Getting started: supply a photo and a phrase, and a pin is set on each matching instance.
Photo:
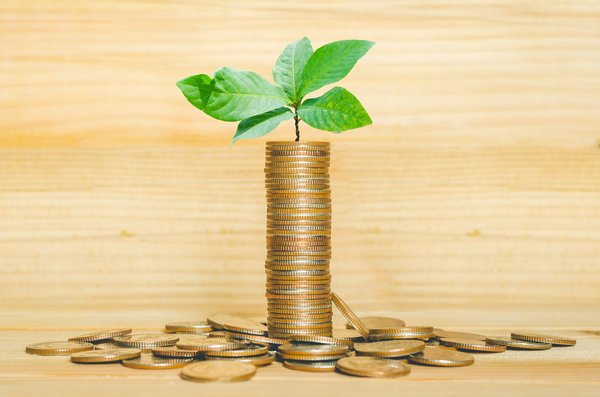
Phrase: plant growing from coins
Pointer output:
(260, 106)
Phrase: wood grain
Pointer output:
(478, 186)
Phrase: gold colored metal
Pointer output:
(101, 335)
(389, 348)
(518, 344)
(105, 356)
(60, 348)
(148, 361)
(442, 357)
(375, 367)
(350, 316)
(218, 370)
(146, 341)
(472, 345)
(554, 340)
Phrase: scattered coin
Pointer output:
(442, 357)
(148, 361)
(105, 356)
(101, 335)
(389, 348)
(60, 348)
(472, 345)
(313, 349)
(440, 333)
(347, 334)
(518, 344)
(191, 327)
(350, 316)
(541, 338)
(255, 338)
(106, 345)
(311, 366)
(375, 322)
(146, 341)
(372, 367)
(257, 361)
(245, 326)
(209, 344)
(218, 370)
(245, 351)
(174, 352)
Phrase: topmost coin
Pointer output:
(532, 337)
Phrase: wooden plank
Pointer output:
(555, 372)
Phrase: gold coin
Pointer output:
(278, 295)
(375, 322)
(389, 348)
(148, 361)
(442, 357)
(257, 361)
(105, 356)
(403, 330)
(209, 344)
(325, 340)
(191, 327)
(218, 370)
(299, 317)
(347, 334)
(104, 346)
(60, 348)
(298, 144)
(554, 340)
(146, 341)
(174, 352)
(217, 321)
(245, 326)
(246, 351)
(440, 333)
(472, 345)
(298, 357)
(372, 367)
(256, 338)
(382, 337)
(517, 344)
(311, 366)
(101, 335)
(350, 316)
(302, 349)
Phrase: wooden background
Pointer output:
(477, 187)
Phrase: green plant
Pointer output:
(237, 95)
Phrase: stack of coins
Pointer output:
(298, 239)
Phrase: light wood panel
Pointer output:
(477, 186)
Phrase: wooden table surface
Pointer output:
(561, 371)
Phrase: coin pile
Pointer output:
(298, 239)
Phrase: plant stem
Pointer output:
(296, 121)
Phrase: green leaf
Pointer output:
(331, 63)
(287, 71)
(337, 110)
(196, 89)
(234, 95)
(261, 124)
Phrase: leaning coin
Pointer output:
(350, 316)
(148, 361)
(517, 344)
(472, 345)
(101, 335)
(174, 352)
(105, 356)
(257, 361)
(389, 348)
(58, 348)
(218, 370)
(248, 350)
(440, 333)
(192, 327)
(372, 367)
(442, 357)
(541, 338)
(209, 344)
(311, 366)
(146, 341)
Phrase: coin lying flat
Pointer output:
(146, 341)
(311, 366)
(255, 338)
(389, 348)
(106, 345)
(313, 349)
(191, 327)
(325, 340)
(352, 318)
(375, 322)
(245, 351)
(148, 361)
(472, 345)
(257, 361)
(174, 352)
(347, 334)
(105, 356)
(375, 367)
(440, 333)
(518, 344)
(101, 335)
(442, 357)
(541, 338)
(209, 344)
(245, 326)
(299, 357)
(60, 348)
(218, 370)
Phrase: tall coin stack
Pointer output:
(298, 239)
